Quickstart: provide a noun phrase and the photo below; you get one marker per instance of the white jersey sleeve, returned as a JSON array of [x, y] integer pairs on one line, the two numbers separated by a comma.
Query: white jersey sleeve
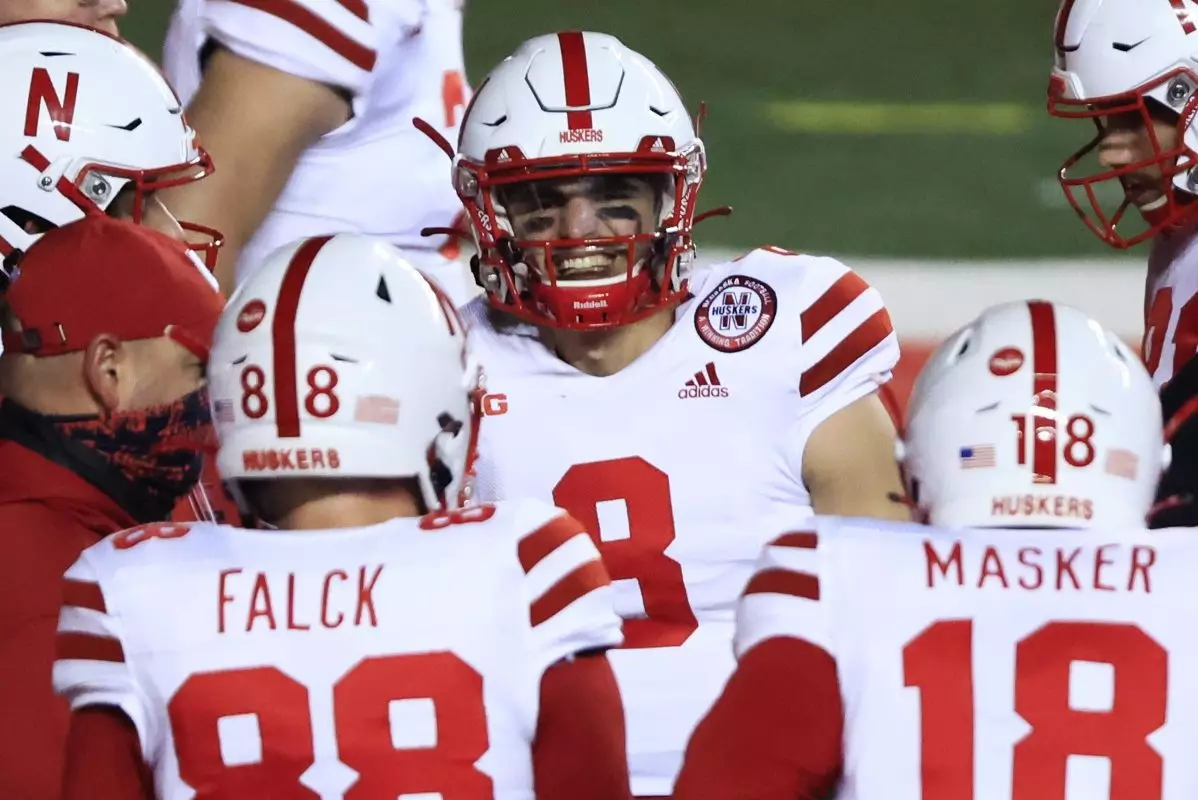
[[569, 594], [782, 598], [335, 42], [91, 666], [848, 345]]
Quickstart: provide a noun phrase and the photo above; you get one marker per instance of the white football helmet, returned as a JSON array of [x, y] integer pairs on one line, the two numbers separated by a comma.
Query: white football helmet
[[1121, 57], [88, 116], [339, 359], [579, 105], [1034, 416]]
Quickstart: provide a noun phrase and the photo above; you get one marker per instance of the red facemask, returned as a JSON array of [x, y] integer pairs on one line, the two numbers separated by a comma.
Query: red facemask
[[1108, 220]]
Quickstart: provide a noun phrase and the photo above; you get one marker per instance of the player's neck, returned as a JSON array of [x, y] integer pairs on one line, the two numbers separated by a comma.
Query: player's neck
[[606, 352], [349, 509]]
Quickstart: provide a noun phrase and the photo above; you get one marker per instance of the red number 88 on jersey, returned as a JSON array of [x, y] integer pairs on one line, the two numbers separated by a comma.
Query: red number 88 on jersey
[[249, 733]]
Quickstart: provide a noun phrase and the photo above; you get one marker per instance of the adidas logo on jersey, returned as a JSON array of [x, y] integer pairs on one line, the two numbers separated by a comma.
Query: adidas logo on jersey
[[705, 384]]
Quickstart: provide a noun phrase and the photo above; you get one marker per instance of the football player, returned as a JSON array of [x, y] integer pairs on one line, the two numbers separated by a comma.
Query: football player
[[307, 106], [102, 14], [94, 128], [1035, 643], [678, 414], [378, 640], [1132, 68]]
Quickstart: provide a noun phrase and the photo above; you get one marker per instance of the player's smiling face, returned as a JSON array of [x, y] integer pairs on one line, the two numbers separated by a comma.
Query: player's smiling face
[[1126, 140], [588, 208]]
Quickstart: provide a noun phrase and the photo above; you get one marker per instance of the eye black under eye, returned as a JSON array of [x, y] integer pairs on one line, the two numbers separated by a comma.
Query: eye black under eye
[[620, 212]]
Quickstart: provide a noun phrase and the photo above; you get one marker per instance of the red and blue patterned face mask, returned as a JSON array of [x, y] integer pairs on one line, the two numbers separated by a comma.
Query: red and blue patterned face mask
[[160, 450]]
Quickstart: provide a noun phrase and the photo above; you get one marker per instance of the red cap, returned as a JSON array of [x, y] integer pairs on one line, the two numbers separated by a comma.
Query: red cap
[[103, 275]]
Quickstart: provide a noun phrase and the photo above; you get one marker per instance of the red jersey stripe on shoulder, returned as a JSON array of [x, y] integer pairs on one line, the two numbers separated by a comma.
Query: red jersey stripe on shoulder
[[83, 594], [356, 7], [866, 337], [582, 581], [784, 581], [354, 52], [536, 546], [71, 645], [806, 540], [837, 298]]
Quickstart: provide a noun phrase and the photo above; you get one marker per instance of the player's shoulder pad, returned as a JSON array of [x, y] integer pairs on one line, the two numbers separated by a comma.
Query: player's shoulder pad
[[789, 565], [540, 528], [150, 543]]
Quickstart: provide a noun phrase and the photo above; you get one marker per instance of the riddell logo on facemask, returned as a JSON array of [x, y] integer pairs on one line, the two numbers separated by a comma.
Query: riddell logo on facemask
[[583, 305], [589, 135], [705, 384]]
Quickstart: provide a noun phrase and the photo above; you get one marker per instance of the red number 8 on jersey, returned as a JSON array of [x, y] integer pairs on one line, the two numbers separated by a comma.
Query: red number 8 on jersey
[[645, 491], [362, 730]]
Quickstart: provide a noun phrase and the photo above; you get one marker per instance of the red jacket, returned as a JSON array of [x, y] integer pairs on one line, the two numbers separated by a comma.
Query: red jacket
[[48, 516]]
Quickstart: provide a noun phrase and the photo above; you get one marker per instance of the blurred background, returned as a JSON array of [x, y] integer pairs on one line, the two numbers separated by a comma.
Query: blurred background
[[910, 139], [881, 128]]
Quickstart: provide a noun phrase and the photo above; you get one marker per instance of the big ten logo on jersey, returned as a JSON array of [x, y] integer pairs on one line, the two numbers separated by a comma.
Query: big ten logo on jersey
[[239, 730], [1089, 697], [633, 544], [60, 107], [296, 601], [494, 405], [158, 530], [736, 314]]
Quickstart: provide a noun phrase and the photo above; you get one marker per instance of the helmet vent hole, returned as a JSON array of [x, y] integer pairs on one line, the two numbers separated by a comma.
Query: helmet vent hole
[[962, 346], [381, 292]]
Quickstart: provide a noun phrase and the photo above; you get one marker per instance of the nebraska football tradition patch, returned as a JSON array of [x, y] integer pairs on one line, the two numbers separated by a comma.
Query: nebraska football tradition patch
[[736, 313]]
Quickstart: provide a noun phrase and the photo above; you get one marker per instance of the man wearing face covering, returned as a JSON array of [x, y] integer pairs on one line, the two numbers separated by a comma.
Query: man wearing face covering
[[103, 423]]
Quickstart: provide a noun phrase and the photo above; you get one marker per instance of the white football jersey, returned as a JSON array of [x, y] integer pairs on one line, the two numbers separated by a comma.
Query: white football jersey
[[1171, 304], [996, 664], [401, 659], [377, 174], [685, 463]]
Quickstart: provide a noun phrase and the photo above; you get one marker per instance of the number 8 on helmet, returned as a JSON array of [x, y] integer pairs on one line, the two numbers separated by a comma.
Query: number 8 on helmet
[[326, 372]]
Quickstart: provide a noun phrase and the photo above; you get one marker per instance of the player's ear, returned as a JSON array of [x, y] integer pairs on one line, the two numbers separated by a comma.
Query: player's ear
[[105, 366]]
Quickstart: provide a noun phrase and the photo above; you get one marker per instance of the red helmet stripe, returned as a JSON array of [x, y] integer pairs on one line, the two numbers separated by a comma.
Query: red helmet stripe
[[1044, 392], [578, 82], [286, 389]]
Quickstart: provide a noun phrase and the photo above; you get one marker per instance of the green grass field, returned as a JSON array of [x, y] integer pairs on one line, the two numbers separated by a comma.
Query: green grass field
[[860, 128]]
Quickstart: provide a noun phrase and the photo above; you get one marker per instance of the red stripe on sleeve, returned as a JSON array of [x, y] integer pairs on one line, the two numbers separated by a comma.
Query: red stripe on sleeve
[[578, 81], [1044, 392], [83, 594], [355, 53], [806, 540], [784, 581], [286, 390], [536, 546], [70, 645], [866, 337], [776, 733], [584, 580], [357, 8], [837, 298]]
